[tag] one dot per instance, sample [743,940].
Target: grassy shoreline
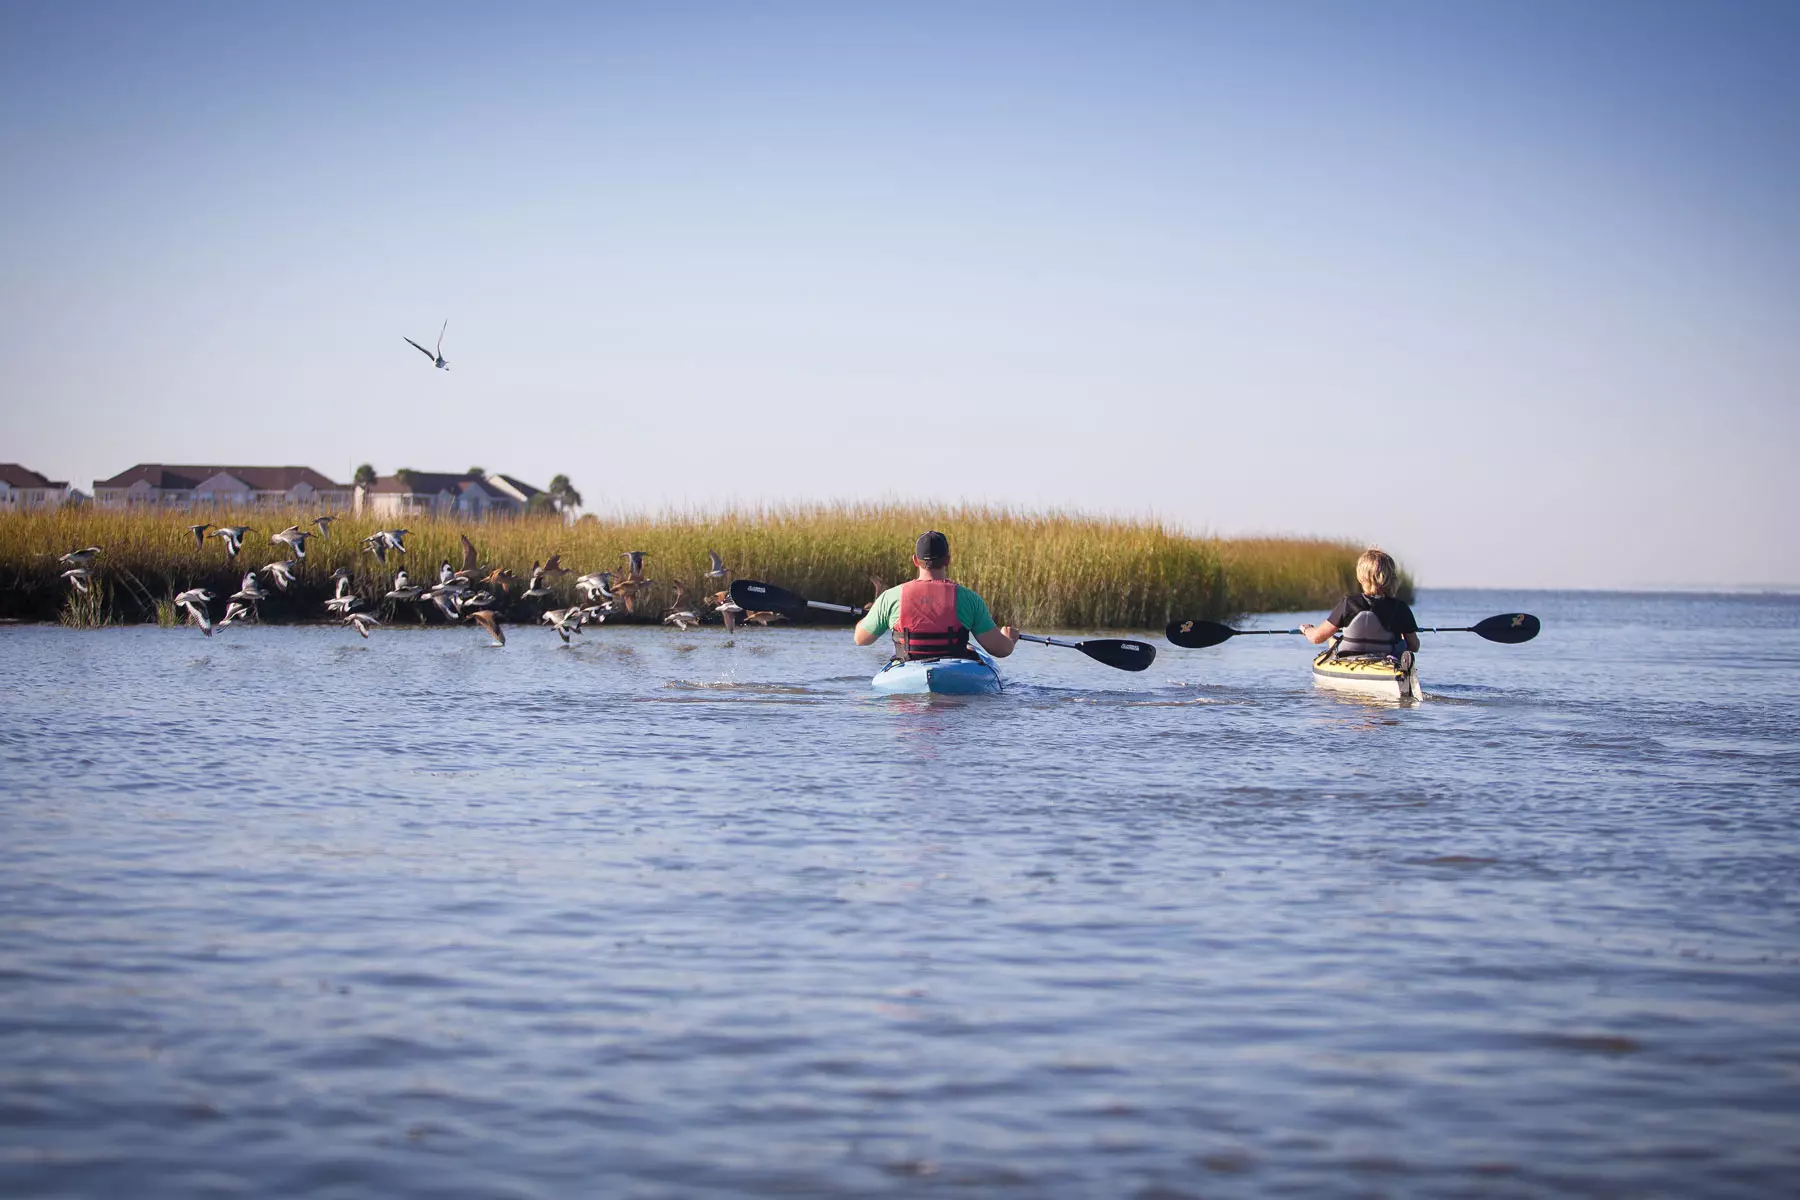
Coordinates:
[1039,570]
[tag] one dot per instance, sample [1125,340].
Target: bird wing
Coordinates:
[468,553]
[419,348]
[440,352]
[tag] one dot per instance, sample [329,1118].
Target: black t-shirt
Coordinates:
[1396,616]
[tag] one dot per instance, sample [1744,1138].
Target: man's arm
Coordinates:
[1317,634]
[999,642]
[879,619]
[973,612]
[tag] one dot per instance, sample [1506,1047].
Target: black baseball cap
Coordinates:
[932,548]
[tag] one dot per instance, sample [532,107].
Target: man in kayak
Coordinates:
[1374,622]
[932,616]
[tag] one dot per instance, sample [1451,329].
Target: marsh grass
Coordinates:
[89,609]
[1039,570]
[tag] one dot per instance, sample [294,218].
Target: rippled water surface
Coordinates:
[659,914]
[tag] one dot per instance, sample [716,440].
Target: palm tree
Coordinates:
[564,493]
[406,475]
[481,471]
[364,477]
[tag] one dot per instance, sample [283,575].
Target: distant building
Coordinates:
[22,488]
[242,487]
[462,494]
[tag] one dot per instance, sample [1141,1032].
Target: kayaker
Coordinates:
[1373,622]
[932,616]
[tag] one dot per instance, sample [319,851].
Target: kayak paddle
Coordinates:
[748,593]
[1114,652]
[1508,629]
[1122,653]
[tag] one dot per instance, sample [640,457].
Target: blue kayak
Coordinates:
[944,676]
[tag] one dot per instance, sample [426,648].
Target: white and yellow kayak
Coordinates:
[1385,677]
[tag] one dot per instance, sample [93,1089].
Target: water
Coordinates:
[662,914]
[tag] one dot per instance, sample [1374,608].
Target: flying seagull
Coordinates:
[199,532]
[195,601]
[250,590]
[486,619]
[293,536]
[79,577]
[564,620]
[437,360]
[235,611]
[281,571]
[79,558]
[362,622]
[233,537]
[728,609]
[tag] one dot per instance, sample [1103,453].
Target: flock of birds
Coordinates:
[468,593]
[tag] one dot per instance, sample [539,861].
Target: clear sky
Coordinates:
[1511,288]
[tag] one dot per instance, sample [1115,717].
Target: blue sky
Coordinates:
[1510,288]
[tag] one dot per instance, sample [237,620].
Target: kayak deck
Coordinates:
[939,676]
[1383,677]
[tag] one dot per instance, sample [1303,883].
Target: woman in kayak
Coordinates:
[1374,622]
[932,617]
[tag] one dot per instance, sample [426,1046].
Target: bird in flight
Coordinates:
[486,619]
[281,571]
[564,620]
[233,537]
[195,601]
[437,360]
[293,536]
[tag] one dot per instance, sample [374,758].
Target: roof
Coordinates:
[23,477]
[425,483]
[430,483]
[262,479]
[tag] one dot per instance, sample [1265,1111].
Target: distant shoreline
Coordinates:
[1061,571]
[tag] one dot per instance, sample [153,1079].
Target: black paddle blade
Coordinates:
[1119,652]
[1197,635]
[765,597]
[1508,628]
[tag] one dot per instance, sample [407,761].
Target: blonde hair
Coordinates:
[1376,573]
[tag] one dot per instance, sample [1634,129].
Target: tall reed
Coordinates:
[1041,570]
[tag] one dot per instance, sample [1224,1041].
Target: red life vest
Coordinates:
[927,626]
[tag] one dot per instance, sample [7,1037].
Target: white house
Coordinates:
[22,489]
[464,494]
[238,487]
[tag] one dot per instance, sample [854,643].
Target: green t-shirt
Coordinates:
[971,610]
